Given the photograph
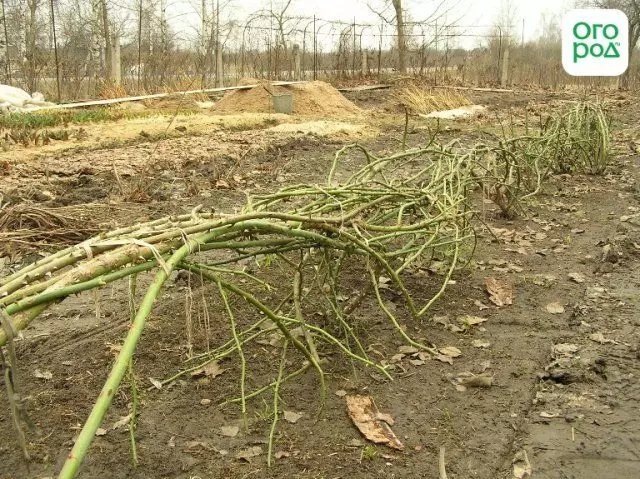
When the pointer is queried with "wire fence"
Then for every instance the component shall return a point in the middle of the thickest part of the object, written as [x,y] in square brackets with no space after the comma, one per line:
[70,66]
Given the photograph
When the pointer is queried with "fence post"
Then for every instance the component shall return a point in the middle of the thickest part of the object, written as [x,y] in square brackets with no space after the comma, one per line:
[296,62]
[380,50]
[504,77]
[315,50]
[55,48]
[353,62]
[116,66]
[365,67]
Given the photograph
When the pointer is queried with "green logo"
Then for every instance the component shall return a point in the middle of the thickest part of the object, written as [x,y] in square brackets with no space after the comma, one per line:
[601,41]
[595,42]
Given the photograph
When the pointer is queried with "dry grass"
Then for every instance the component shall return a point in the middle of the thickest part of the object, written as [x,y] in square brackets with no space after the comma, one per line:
[25,228]
[424,100]
[110,90]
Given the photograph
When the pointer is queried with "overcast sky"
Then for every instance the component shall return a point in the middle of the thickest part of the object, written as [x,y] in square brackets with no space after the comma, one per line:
[476,16]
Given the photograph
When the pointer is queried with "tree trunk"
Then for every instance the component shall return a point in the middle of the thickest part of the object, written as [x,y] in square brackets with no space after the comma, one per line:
[31,46]
[634,36]
[402,44]
[106,33]
[5,46]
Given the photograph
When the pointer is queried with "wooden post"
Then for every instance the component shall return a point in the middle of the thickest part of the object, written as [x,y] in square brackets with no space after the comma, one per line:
[55,50]
[219,73]
[315,50]
[297,62]
[365,67]
[504,77]
[116,65]
[108,58]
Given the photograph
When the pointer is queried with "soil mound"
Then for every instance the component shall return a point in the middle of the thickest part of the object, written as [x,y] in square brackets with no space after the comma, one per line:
[312,98]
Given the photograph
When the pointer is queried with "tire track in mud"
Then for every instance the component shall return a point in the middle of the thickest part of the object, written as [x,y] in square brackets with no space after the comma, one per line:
[585,424]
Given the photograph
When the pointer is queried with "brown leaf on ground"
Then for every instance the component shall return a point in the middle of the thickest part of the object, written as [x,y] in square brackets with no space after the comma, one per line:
[370,422]
[46,375]
[521,466]
[292,416]
[247,454]
[123,421]
[500,293]
[157,384]
[443,358]
[229,431]
[468,320]
[577,277]
[599,338]
[480,343]
[480,305]
[555,308]
[450,351]
[211,370]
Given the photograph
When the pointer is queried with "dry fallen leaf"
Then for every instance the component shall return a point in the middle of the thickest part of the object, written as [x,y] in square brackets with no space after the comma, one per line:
[555,308]
[450,351]
[577,277]
[197,445]
[157,384]
[481,306]
[501,294]
[396,358]
[229,431]
[484,365]
[46,375]
[292,417]
[468,320]
[370,422]
[408,350]
[443,358]
[247,454]
[211,370]
[480,343]
[521,465]
[564,349]
[545,280]
[599,338]
[549,415]
[123,421]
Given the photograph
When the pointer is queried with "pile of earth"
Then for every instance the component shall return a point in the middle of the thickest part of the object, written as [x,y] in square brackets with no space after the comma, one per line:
[309,98]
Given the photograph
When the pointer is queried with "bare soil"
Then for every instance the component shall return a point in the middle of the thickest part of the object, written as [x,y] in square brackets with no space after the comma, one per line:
[576,416]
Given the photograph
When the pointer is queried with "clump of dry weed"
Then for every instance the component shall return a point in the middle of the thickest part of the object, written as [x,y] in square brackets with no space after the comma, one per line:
[424,100]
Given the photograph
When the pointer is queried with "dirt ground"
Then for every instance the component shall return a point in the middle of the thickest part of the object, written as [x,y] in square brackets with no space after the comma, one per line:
[565,394]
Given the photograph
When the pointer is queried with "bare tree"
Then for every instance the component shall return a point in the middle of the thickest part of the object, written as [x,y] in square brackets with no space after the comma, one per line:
[402,43]
[4,44]
[397,17]
[30,44]
[277,19]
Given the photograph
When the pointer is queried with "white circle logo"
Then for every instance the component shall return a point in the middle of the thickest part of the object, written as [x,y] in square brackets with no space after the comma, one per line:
[595,42]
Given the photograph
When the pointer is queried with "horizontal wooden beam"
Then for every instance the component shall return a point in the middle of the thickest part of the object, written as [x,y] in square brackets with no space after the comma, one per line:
[113,101]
